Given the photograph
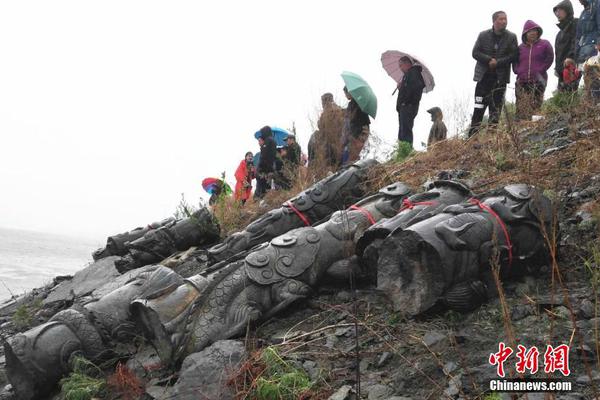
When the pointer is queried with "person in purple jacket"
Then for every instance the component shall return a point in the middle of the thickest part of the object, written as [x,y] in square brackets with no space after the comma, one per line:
[535,59]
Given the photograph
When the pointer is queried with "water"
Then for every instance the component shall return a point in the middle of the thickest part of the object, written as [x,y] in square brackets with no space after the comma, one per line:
[31,259]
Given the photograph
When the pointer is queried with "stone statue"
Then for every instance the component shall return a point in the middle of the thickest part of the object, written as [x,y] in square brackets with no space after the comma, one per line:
[117,245]
[38,358]
[438,247]
[415,208]
[449,257]
[205,309]
[157,244]
[315,204]
[331,194]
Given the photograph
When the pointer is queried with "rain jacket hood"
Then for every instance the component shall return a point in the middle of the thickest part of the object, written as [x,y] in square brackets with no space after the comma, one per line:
[567,6]
[529,26]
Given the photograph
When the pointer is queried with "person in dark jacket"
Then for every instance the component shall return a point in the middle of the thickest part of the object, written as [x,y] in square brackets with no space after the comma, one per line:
[281,180]
[264,170]
[410,91]
[495,50]
[565,43]
[355,131]
[535,59]
[588,30]
[294,153]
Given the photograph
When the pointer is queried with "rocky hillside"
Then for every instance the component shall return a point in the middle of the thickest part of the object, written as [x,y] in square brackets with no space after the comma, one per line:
[347,342]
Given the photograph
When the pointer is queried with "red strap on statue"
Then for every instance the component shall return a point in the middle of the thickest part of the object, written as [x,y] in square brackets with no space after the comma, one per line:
[502,225]
[298,213]
[365,212]
[409,205]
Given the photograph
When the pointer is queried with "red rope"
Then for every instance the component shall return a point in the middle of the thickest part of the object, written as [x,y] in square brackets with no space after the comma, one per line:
[365,212]
[298,213]
[409,205]
[502,225]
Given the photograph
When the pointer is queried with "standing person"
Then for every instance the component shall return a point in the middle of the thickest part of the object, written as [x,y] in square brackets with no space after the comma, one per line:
[588,30]
[355,131]
[243,177]
[410,91]
[324,146]
[264,170]
[281,179]
[535,59]
[591,70]
[495,50]
[294,153]
[565,43]
[438,130]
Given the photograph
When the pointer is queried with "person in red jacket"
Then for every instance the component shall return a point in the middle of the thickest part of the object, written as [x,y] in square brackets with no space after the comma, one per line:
[243,176]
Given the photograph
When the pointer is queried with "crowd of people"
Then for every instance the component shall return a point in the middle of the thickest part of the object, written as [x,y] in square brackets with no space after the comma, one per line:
[342,133]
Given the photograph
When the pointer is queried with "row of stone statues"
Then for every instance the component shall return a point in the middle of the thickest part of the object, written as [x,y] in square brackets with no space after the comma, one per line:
[431,248]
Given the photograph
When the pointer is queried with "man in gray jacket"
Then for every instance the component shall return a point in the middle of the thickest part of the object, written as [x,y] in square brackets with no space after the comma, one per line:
[495,50]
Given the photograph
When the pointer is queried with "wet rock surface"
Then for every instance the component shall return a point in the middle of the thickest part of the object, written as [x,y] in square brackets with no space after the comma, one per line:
[204,375]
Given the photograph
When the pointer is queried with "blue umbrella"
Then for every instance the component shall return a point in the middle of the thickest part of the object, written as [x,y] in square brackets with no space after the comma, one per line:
[279,134]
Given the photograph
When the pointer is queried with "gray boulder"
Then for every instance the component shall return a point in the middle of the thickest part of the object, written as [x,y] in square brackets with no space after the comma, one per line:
[204,375]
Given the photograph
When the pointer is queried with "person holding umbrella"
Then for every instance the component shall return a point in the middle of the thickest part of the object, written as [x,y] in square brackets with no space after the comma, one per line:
[410,90]
[356,130]
[413,78]
[362,103]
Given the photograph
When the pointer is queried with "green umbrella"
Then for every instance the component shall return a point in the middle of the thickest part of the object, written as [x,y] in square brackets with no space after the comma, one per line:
[361,92]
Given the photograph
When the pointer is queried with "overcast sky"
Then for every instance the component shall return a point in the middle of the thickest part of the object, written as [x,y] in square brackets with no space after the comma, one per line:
[110,110]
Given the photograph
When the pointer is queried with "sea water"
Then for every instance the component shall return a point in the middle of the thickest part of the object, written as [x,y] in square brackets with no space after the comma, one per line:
[32,259]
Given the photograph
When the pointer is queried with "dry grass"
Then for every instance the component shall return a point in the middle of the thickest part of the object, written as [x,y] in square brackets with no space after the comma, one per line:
[233,216]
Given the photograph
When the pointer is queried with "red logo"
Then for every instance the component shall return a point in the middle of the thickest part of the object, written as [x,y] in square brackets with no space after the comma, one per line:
[555,359]
[500,357]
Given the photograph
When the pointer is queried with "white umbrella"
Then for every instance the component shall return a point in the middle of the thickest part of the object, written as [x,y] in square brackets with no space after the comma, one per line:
[391,63]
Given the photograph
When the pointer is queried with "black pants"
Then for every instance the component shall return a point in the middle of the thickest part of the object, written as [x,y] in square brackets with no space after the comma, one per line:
[406,120]
[488,93]
[263,185]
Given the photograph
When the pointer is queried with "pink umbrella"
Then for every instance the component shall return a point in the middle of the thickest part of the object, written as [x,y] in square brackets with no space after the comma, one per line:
[390,61]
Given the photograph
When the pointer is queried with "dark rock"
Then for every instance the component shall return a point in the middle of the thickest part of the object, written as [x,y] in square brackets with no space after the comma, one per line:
[454,386]
[364,364]
[144,362]
[434,337]
[520,312]
[160,392]
[379,392]
[312,369]
[562,141]
[450,367]
[204,374]
[61,278]
[384,358]
[585,379]
[343,296]
[587,309]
